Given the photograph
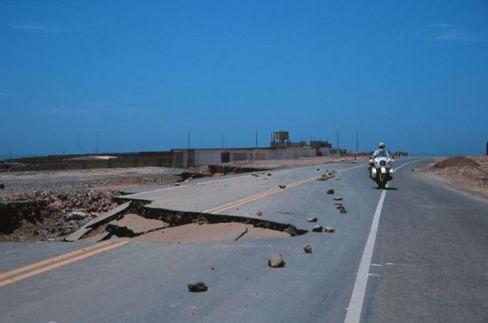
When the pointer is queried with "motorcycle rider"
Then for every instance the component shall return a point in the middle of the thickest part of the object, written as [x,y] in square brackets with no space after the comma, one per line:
[381,151]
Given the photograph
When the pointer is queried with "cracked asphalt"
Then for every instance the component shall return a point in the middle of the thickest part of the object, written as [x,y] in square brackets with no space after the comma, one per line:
[429,262]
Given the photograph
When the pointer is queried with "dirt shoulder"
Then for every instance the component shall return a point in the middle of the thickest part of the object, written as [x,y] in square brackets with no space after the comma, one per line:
[468,173]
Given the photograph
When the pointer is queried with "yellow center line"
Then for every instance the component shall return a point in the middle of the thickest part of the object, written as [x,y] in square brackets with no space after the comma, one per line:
[267,193]
[49,260]
[15,275]
[65,262]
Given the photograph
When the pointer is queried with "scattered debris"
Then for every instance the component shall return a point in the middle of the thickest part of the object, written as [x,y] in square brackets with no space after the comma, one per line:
[269,174]
[51,215]
[241,235]
[323,177]
[314,219]
[255,175]
[329,229]
[197,287]
[327,175]
[343,211]
[318,169]
[276,260]
[259,213]
[2,186]
[282,186]
[307,248]
[338,198]
[318,228]
[331,191]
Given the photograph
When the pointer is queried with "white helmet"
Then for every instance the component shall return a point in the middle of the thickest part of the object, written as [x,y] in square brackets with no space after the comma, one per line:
[381,145]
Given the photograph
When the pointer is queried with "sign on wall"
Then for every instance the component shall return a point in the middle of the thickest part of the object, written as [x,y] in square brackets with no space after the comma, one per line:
[242,156]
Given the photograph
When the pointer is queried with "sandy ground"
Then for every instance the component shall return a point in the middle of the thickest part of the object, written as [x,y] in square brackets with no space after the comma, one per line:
[195,232]
[139,224]
[471,178]
[95,179]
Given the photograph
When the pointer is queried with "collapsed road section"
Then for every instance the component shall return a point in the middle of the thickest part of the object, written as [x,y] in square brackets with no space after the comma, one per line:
[138,219]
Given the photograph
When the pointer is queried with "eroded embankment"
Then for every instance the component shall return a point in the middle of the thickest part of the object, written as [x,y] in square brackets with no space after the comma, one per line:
[141,221]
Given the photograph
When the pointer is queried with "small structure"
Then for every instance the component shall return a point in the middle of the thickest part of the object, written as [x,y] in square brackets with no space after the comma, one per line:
[281,139]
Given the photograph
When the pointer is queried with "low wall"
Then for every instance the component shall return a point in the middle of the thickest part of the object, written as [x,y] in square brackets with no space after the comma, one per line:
[123,161]
[201,157]
[176,158]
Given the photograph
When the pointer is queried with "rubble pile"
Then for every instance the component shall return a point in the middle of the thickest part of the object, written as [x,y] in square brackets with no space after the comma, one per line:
[90,202]
[50,215]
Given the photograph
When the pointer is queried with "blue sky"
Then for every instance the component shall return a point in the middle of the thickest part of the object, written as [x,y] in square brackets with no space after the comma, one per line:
[140,75]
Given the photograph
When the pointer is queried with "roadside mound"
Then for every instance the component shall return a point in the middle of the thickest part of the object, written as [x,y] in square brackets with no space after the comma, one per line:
[458,161]
[470,172]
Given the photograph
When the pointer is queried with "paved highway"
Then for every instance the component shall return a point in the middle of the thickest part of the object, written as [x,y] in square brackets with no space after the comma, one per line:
[415,252]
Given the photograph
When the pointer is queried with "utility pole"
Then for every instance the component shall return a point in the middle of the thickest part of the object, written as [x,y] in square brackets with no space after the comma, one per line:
[222,144]
[189,140]
[96,148]
[357,146]
[337,138]
[256,139]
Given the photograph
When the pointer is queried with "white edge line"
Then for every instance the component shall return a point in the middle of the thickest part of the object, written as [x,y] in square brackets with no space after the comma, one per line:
[356,303]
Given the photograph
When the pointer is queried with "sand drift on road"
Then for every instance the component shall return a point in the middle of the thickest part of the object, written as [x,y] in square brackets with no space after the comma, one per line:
[134,220]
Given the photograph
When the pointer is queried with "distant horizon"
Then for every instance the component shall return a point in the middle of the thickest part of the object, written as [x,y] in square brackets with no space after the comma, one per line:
[93,153]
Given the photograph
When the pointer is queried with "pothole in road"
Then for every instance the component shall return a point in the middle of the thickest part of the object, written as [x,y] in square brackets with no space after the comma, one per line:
[151,224]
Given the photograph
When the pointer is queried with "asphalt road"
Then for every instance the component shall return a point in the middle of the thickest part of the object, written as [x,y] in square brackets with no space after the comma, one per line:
[429,261]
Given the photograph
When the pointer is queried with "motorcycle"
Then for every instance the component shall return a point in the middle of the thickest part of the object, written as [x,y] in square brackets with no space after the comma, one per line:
[381,170]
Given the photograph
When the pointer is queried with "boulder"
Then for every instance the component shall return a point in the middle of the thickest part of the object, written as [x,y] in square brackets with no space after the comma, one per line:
[197,287]
[307,248]
[317,228]
[276,260]
[329,229]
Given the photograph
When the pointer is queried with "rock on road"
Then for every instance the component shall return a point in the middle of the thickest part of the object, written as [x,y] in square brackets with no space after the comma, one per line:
[428,264]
